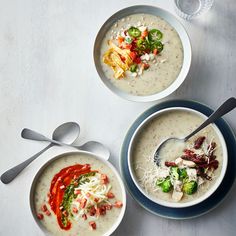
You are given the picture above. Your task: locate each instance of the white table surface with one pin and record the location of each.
(47, 77)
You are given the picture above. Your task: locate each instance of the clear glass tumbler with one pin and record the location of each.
(189, 9)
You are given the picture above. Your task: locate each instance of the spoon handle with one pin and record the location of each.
(33, 135)
(11, 174)
(226, 107)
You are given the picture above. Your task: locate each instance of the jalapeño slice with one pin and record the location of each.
(134, 32)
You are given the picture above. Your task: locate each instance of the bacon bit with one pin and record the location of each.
(103, 210)
(92, 211)
(170, 163)
(84, 216)
(118, 204)
(155, 51)
(83, 203)
(75, 210)
(198, 142)
(78, 200)
(120, 40)
(48, 213)
(44, 208)
(76, 183)
(93, 225)
(61, 207)
(96, 199)
(104, 179)
(196, 159)
(200, 172)
(210, 148)
(88, 195)
(110, 195)
(108, 206)
(40, 216)
(212, 164)
(77, 191)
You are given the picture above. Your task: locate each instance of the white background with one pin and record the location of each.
(47, 77)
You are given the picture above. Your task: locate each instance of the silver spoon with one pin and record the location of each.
(91, 146)
(67, 132)
(226, 107)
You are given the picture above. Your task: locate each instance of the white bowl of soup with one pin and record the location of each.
(187, 173)
(142, 53)
(78, 193)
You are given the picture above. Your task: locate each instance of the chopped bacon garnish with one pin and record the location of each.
(110, 195)
(196, 159)
(96, 199)
(108, 206)
(88, 195)
(200, 172)
(83, 203)
(104, 179)
(170, 163)
(101, 210)
(210, 148)
(93, 225)
(40, 216)
(84, 216)
(92, 211)
(199, 141)
(48, 213)
(212, 164)
(75, 210)
(44, 208)
(118, 204)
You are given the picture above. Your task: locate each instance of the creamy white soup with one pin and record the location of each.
(155, 49)
(186, 171)
(78, 195)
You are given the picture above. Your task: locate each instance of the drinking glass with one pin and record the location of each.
(189, 9)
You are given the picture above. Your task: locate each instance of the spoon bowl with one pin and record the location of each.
(68, 132)
(226, 107)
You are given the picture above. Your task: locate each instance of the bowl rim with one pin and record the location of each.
(92, 155)
(207, 193)
(169, 18)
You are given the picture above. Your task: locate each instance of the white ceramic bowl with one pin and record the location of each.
(179, 204)
(152, 11)
(101, 159)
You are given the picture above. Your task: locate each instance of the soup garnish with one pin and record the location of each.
(188, 171)
(136, 46)
(78, 193)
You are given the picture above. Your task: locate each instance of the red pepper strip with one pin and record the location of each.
(64, 178)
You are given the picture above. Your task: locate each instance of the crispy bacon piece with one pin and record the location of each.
(199, 141)
(93, 225)
(200, 172)
(170, 163)
(196, 159)
(212, 164)
(40, 216)
(92, 211)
